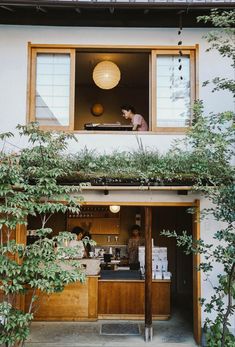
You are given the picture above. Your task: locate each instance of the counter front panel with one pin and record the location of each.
(77, 302)
(125, 299)
(103, 299)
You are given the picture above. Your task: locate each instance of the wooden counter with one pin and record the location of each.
(123, 299)
(77, 302)
(103, 299)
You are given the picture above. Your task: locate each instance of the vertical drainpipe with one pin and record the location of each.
(148, 275)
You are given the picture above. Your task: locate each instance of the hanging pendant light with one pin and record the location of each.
(114, 208)
(106, 74)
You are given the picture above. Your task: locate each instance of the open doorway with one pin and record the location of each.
(132, 89)
(114, 296)
(179, 264)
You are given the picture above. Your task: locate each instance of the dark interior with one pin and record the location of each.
(133, 88)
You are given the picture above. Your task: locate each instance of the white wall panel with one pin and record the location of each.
(13, 72)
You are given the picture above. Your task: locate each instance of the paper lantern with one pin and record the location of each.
(106, 75)
(97, 110)
(114, 208)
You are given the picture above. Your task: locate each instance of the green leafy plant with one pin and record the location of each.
(140, 167)
(212, 138)
(29, 186)
(223, 41)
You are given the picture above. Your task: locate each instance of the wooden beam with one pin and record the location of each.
(139, 188)
(148, 274)
(113, 46)
(20, 238)
(196, 277)
(136, 203)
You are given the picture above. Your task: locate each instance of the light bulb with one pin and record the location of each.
(114, 208)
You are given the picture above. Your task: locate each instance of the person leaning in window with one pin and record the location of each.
(138, 121)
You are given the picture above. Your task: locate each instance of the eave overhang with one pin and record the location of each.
(125, 13)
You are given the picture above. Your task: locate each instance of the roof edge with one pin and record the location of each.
(121, 4)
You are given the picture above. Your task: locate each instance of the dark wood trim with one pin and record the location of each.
(148, 273)
(125, 4)
(196, 277)
(96, 14)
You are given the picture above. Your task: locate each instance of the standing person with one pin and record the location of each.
(87, 237)
(138, 121)
(133, 247)
(78, 242)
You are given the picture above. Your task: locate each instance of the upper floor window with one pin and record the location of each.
(173, 91)
(52, 88)
(160, 84)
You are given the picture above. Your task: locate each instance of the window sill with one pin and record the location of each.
(158, 131)
(135, 133)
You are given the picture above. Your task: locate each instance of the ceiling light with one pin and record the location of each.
(114, 208)
(106, 74)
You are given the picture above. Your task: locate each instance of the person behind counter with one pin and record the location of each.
(133, 244)
(78, 242)
(87, 245)
(138, 121)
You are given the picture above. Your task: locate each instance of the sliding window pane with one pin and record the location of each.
(173, 91)
(53, 89)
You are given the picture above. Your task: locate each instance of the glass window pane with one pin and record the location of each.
(62, 69)
(44, 69)
(173, 91)
(177, 103)
(61, 90)
(61, 102)
(53, 89)
(45, 90)
(44, 80)
(47, 118)
(61, 80)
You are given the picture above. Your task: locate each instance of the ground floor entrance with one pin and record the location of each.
(175, 300)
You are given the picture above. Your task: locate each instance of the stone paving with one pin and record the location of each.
(177, 332)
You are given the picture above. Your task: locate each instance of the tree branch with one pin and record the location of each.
(229, 306)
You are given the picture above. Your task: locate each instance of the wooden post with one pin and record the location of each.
(196, 277)
(20, 238)
(148, 274)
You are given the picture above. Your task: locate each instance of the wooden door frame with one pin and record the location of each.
(197, 321)
(21, 238)
(196, 258)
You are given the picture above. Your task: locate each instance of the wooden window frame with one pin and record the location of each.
(170, 52)
(32, 96)
(34, 49)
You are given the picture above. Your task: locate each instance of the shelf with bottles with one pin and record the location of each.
(94, 212)
(96, 226)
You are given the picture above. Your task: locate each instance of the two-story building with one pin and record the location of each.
(71, 65)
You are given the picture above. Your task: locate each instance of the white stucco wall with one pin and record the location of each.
(13, 92)
(13, 73)
(208, 227)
